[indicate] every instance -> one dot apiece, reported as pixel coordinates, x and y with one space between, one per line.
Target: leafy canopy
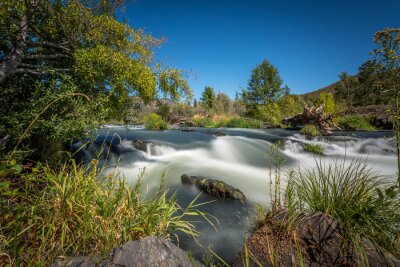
49 47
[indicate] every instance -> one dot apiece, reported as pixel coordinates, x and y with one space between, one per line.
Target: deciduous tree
264 87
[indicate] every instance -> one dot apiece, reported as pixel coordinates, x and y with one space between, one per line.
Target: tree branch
49 45
38 72
52 56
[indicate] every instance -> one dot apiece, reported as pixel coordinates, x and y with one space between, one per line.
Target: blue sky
219 42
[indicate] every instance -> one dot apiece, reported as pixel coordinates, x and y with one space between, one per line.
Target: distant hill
332 88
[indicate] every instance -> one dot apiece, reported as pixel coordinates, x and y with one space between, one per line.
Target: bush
354 122
364 203
50 214
204 122
314 148
239 122
310 130
47 121
270 114
154 122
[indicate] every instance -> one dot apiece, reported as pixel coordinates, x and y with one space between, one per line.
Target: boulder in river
140 144
213 187
149 251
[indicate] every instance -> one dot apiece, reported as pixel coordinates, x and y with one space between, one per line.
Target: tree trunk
14 58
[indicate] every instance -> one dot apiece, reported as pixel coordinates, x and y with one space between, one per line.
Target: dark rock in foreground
313 240
149 251
213 188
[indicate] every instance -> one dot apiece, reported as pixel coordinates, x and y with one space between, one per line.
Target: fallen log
315 116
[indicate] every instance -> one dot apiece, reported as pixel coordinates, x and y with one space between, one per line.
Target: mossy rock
214 188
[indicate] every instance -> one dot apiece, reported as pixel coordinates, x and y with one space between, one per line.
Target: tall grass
50 214
365 204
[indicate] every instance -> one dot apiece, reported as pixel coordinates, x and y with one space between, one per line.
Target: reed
365 203
51 214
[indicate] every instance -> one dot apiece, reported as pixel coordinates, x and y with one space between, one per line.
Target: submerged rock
149 251
214 133
213 188
189 129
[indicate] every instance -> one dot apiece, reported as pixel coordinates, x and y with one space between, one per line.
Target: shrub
270 114
239 122
310 130
204 122
49 214
364 203
354 122
154 122
314 148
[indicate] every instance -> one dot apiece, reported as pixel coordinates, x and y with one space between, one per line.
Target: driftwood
316 116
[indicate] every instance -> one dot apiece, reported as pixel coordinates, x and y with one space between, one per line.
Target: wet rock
189 129
213 188
149 251
314 240
140 144
214 133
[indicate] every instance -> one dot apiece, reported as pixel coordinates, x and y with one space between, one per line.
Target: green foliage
182 109
239 122
365 204
48 214
386 64
74 44
173 84
154 122
208 98
270 114
223 104
314 148
354 122
290 105
264 87
54 115
164 111
310 130
204 122
327 100
234 122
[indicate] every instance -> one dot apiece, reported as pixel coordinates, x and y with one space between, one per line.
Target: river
241 159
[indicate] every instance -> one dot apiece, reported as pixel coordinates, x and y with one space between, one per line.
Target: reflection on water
240 159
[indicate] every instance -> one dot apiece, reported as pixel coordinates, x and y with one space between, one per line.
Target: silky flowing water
240 159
